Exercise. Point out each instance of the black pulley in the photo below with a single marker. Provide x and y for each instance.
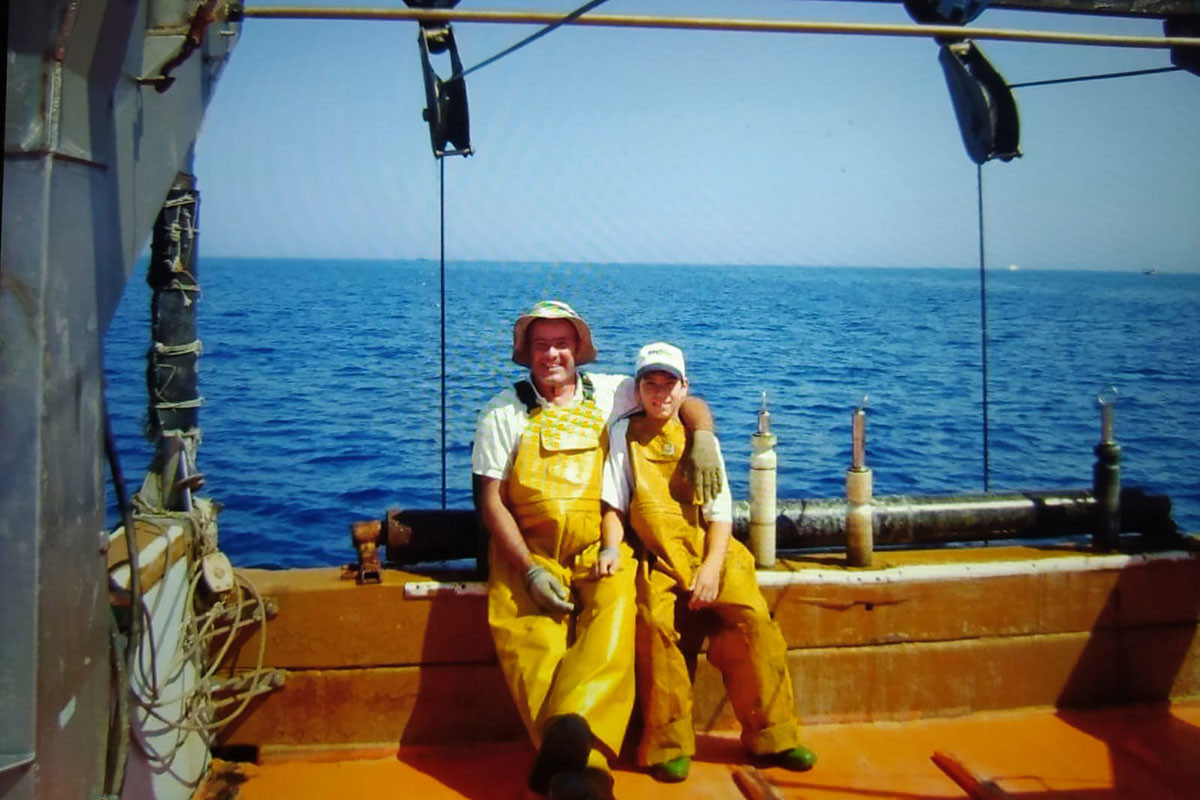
(944, 12)
(1184, 25)
(983, 103)
(445, 100)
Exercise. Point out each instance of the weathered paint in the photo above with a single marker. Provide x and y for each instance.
(1143, 752)
(377, 664)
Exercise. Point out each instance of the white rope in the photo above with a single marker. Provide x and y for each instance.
(199, 710)
(193, 347)
(164, 406)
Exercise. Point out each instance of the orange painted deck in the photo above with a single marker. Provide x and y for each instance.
(1143, 752)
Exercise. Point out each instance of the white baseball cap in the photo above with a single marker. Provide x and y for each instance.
(660, 356)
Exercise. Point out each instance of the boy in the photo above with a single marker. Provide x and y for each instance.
(689, 553)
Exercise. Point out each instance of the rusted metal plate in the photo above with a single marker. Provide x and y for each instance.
(413, 618)
(439, 704)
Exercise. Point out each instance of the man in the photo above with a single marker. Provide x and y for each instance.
(562, 610)
(690, 562)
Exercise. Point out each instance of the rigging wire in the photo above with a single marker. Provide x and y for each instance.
(583, 9)
(1104, 76)
(442, 304)
(117, 756)
(721, 24)
(983, 326)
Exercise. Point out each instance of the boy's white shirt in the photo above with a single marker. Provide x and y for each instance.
(617, 488)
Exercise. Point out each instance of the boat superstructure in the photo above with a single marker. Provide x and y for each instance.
(91, 147)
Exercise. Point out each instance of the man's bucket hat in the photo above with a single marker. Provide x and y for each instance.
(552, 309)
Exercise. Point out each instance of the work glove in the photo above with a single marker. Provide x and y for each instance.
(705, 466)
(546, 590)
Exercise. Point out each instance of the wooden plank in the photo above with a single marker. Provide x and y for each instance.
(159, 545)
(754, 784)
(977, 786)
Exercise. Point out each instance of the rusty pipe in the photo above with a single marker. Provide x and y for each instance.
(425, 535)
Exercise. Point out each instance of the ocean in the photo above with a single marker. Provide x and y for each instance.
(322, 379)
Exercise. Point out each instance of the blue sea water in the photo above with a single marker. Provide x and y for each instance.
(322, 379)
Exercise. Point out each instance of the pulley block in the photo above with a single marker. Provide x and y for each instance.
(446, 109)
(944, 12)
(1184, 25)
(983, 103)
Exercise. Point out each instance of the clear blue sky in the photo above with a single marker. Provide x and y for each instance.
(603, 145)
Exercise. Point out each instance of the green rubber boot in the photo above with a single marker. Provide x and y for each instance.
(798, 759)
(672, 771)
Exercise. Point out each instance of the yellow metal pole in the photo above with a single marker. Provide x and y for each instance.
(717, 24)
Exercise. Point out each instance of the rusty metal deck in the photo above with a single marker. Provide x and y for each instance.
(1144, 752)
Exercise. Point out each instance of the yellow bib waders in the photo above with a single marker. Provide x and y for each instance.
(558, 663)
(749, 649)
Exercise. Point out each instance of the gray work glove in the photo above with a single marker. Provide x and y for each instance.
(547, 591)
(705, 466)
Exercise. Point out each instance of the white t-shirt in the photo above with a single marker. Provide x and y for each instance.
(617, 489)
(500, 424)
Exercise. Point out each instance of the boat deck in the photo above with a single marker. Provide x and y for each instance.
(1144, 752)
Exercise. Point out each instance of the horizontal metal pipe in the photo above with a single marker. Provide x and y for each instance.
(903, 519)
(718, 24)
(419, 536)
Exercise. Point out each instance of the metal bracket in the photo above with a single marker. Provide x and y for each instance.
(1184, 57)
(205, 15)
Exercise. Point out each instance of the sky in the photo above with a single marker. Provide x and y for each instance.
(625, 146)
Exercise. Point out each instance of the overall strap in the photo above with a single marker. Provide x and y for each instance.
(527, 395)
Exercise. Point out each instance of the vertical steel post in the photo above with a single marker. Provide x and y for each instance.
(763, 465)
(171, 368)
(1106, 477)
(860, 534)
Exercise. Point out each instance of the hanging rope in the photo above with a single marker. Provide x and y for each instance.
(720, 24)
(983, 327)
(583, 9)
(442, 204)
(1105, 76)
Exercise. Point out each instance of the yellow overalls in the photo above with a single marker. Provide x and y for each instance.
(749, 648)
(558, 663)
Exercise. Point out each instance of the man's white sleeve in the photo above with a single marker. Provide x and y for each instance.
(626, 397)
(720, 508)
(497, 431)
(616, 487)
(615, 394)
